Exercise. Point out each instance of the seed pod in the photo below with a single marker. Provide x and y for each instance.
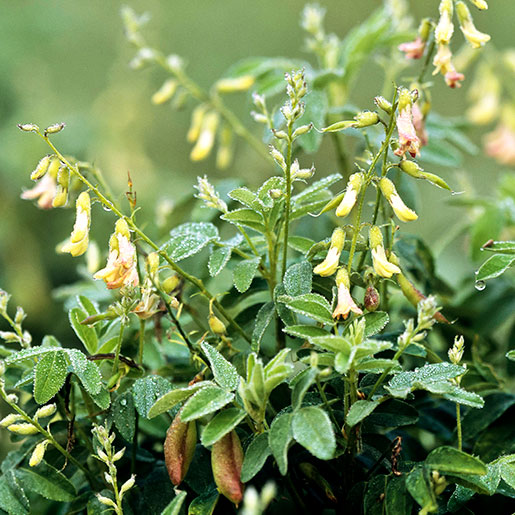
(372, 299)
(226, 462)
(179, 448)
(216, 325)
(171, 283)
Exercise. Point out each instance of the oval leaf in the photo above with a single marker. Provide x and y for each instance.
(205, 401)
(49, 376)
(312, 428)
(223, 423)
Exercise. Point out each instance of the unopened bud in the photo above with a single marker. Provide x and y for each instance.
(41, 168)
(233, 85)
(174, 62)
(165, 92)
(171, 283)
(2, 367)
(383, 104)
(38, 453)
(127, 485)
(280, 134)
(259, 101)
(366, 119)
(480, 4)
(226, 462)
(225, 152)
(303, 129)
(179, 448)
(372, 298)
(20, 315)
(206, 138)
(10, 419)
(23, 429)
(278, 157)
(46, 411)
(340, 126)
(28, 127)
(216, 325)
(153, 262)
(196, 122)
(275, 194)
(258, 117)
(55, 128)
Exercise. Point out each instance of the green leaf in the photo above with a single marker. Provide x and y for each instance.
(244, 273)
(487, 227)
(312, 428)
(204, 504)
(247, 198)
(315, 112)
(189, 239)
(300, 243)
(102, 399)
(24, 354)
(87, 371)
(393, 413)
(486, 484)
(86, 334)
(10, 502)
(221, 424)
(332, 343)
(494, 266)
(298, 278)
(88, 306)
(174, 508)
(501, 247)
(218, 259)
(285, 314)
(49, 376)
(418, 484)
(255, 457)
(375, 322)
(124, 415)
(426, 377)
(205, 401)
(247, 217)
(305, 332)
(507, 469)
(224, 372)
(397, 500)
(360, 410)
(449, 460)
(173, 397)
(264, 317)
(300, 385)
(47, 482)
(311, 193)
(311, 305)
(279, 439)
(147, 390)
(511, 355)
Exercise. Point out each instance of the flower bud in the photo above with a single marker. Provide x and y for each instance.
(354, 186)
(224, 154)
(165, 92)
(303, 129)
(445, 27)
(41, 168)
(2, 367)
(480, 4)
(127, 485)
(278, 157)
(226, 462)
(23, 429)
(153, 262)
(46, 411)
(63, 182)
(413, 169)
(258, 117)
(232, 85)
(366, 119)
(339, 126)
(196, 122)
(174, 63)
(171, 283)
(372, 299)
(330, 264)
(275, 194)
(259, 101)
(179, 448)
(456, 353)
(206, 137)
(400, 209)
(280, 134)
(38, 453)
(383, 104)
(55, 128)
(10, 419)
(216, 325)
(28, 127)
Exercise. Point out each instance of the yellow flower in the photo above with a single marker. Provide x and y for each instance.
(381, 264)
(79, 238)
(445, 27)
(354, 186)
(121, 268)
(206, 137)
(476, 38)
(403, 212)
(330, 263)
(346, 303)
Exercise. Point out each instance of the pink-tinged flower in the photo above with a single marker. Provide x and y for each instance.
(121, 268)
(149, 304)
(419, 123)
(346, 303)
(500, 144)
(453, 78)
(408, 139)
(44, 191)
(413, 49)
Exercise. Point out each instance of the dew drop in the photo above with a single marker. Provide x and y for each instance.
(105, 208)
(123, 402)
(480, 285)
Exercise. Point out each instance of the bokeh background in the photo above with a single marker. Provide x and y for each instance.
(68, 61)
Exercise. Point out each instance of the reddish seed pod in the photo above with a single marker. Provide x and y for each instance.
(179, 448)
(372, 299)
(226, 462)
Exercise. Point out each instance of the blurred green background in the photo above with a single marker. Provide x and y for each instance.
(68, 61)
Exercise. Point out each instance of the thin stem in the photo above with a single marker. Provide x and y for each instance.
(355, 230)
(118, 347)
(141, 341)
(326, 403)
(427, 60)
(110, 205)
(287, 206)
(458, 426)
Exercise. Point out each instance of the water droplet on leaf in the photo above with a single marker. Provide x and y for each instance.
(480, 285)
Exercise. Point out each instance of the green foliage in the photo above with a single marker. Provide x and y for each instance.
(313, 338)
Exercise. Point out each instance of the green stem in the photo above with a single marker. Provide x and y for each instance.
(287, 206)
(458, 426)
(356, 230)
(118, 347)
(326, 403)
(110, 205)
(141, 341)
(426, 61)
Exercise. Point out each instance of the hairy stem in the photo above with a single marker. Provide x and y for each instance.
(287, 205)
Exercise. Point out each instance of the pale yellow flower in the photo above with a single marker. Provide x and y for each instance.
(79, 238)
(354, 186)
(403, 212)
(329, 265)
(345, 303)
